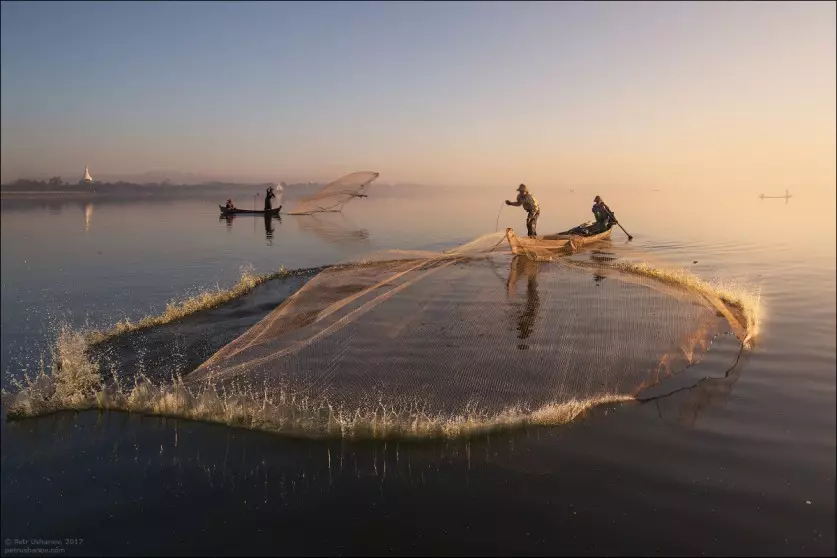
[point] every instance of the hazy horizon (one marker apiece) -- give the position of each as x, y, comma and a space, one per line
736, 96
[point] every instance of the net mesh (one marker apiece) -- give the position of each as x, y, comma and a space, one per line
412, 342
336, 194
418, 344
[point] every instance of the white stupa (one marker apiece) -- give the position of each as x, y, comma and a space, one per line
87, 178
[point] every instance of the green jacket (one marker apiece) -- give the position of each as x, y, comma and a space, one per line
528, 202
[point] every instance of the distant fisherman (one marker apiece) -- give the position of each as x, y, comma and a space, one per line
530, 204
605, 218
230, 205
269, 195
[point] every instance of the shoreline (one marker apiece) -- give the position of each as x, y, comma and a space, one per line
49, 193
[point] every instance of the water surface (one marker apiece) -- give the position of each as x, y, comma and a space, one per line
743, 462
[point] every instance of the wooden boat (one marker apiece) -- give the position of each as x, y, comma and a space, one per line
571, 239
238, 211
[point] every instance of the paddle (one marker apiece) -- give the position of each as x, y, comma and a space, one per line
612, 216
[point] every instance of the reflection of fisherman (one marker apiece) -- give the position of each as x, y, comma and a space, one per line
530, 204
268, 196
268, 227
522, 265
605, 218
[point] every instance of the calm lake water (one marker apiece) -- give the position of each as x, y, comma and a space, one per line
739, 464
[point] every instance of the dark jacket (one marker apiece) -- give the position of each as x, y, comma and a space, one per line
602, 212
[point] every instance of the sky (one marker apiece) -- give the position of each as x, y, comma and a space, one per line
674, 95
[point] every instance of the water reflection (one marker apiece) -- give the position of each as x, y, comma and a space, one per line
286, 471
705, 388
88, 214
334, 228
228, 219
522, 266
141, 467
268, 228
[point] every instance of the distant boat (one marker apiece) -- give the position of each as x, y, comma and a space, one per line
785, 197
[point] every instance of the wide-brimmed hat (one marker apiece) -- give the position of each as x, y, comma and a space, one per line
521, 188
597, 199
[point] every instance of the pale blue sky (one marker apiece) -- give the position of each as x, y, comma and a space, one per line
451, 93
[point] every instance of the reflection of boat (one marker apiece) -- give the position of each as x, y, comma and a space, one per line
225, 211
268, 217
577, 236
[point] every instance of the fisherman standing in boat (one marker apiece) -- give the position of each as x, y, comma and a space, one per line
530, 204
268, 196
605, 218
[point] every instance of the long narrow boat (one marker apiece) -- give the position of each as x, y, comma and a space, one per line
573, 238
225, 211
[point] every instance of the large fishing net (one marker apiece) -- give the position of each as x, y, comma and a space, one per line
335, 195
420, 343
414, 344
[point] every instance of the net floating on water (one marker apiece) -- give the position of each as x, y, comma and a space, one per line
421, 344
424, 344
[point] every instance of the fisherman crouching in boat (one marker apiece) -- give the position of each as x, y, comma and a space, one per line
605, 218
230, 205
268, 196
530, 204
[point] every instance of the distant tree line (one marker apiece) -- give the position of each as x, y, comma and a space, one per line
58, 181
26, 182
122, 188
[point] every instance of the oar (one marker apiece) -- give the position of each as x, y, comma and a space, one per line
612, 216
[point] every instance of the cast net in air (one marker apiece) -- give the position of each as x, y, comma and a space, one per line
424, 344
334, 196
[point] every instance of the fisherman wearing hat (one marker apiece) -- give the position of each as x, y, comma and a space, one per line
604, 216
530, 204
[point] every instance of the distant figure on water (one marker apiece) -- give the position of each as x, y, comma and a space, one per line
530, 204
604, 216
268, 196
230, 205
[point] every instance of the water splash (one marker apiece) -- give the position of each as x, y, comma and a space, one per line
77, 381
176, 310
747, 310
